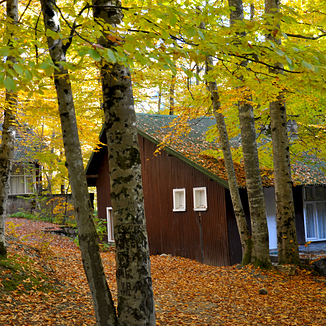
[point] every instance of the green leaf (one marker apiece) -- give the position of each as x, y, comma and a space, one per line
4, 52
141, 58
307, 65
111, 56
49, 72
52, 34
94, 54
28, 75
11, 72
279, 52
165, 34
44, 65
174, 71
192, 31
200, 33
288, 60
173, 20
271, 43
82, 52
18, 69
9, 84
168, 60
284, 35
187, 72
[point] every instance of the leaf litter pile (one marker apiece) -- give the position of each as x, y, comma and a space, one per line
43, 283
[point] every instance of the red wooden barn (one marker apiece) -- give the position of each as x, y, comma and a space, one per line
187, 202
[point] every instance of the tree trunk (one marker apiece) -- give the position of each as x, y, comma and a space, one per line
135, 293
159, 99
172, 95
103, 305
287, 245
259, 230
240, 216
8, 139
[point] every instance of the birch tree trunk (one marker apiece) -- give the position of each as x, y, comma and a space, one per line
135, 293
287, 245
259, 230
240, 216
8, 138
103, 305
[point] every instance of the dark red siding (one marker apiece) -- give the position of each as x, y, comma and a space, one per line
103, 188
178, 233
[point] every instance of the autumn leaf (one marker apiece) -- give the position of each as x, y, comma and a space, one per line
186, 292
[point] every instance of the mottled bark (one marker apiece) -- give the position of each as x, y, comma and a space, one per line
259, 230
287, 246
232, 180
135, 293
103, 305
8, 137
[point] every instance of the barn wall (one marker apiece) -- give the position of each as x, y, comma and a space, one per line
178, 233
103, 188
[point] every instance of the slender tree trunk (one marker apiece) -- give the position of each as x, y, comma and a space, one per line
103, 305
287, 245
172, 91
8, 138
159, 99
135, 293
240, 216
259, 230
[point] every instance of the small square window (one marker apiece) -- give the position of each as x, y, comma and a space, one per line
179, 200
200, 199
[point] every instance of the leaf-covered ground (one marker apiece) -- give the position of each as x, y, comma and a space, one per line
48, 287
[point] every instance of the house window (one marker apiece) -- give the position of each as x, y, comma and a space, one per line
315, 212
200, 199
109, 225
22, 180
179, 200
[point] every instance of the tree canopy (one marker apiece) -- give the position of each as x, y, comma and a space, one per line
159, 40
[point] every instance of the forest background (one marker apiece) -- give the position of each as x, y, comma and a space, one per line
166, 50
179, 54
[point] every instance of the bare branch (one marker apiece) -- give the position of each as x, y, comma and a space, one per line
306, 37
29, 2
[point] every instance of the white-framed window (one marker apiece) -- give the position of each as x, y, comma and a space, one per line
315, 212
22, 179
179, 200
109, 224
200, 199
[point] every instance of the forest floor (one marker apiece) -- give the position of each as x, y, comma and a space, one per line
42, 283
